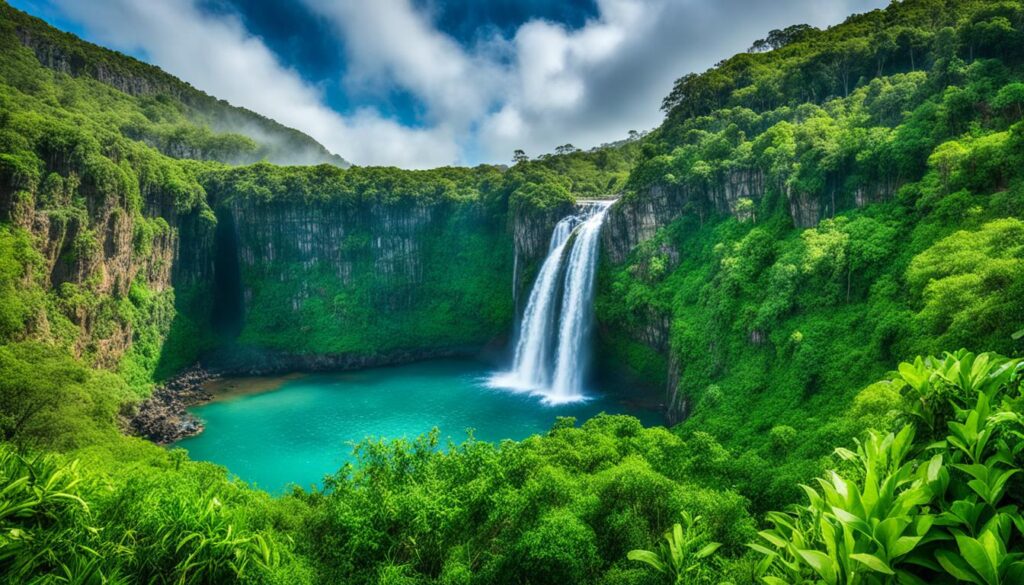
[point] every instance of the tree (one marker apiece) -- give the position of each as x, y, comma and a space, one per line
915, 41
566, 149
870, 243
777, 39
519, 156
1010, 99
844, 60
946, 160
36, 380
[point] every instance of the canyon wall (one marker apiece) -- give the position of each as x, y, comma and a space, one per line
95, 272
337, 284
741, 193
637, 218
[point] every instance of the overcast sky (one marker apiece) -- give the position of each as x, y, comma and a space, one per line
423, 83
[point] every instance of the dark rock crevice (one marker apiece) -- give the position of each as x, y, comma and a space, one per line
228, 303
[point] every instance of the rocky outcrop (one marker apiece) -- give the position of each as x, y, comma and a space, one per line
93, 255
636, 218
163, 417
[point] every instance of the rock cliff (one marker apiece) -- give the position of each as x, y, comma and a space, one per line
91, 256
637, 218
337, 284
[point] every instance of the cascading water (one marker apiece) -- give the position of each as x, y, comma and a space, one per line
552, 347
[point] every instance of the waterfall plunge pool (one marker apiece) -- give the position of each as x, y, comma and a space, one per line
273, 432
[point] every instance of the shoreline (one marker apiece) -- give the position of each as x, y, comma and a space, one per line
163, 417
222, 388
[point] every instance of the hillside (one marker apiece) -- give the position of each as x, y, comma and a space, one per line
165, 112
812, 220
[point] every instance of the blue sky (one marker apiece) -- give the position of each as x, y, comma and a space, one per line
420, 83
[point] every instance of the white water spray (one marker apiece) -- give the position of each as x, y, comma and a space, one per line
552, 347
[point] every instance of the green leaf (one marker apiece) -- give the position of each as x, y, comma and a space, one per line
821, 563
872, 562
934, 466
773, 538
763, 550
646, 556
708, 550
903, 546
955, 565
976, 556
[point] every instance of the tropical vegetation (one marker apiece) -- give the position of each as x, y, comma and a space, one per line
832, 204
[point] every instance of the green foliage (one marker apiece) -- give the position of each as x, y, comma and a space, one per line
48, 399
551, 509
156, 108
918, 512
969, 282
44, 520
847, 199
911, 184
679, 558
802, 64
63, 519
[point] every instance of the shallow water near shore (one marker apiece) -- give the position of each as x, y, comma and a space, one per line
273, 432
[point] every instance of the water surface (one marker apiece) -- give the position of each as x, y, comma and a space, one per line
274, 432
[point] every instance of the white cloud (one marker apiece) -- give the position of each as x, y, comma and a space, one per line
388, 43
217, 55
594, 84
546, 85
585, 86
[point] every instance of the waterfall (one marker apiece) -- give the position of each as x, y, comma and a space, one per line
552, 345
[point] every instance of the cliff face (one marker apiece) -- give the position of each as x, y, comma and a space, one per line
635, 221
339, 284
91, 257
738, 193
300, 242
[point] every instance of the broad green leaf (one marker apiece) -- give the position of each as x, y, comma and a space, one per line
873, 562
974, 553
761, 549
955, 565
903, 545
773, 538
648, 557
709, 549
821, 563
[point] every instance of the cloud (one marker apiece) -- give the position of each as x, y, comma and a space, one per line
548, 85
217, 55
389, 43
542, 86
594, 84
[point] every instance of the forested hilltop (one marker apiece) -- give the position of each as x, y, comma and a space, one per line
151, 106
810, 218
